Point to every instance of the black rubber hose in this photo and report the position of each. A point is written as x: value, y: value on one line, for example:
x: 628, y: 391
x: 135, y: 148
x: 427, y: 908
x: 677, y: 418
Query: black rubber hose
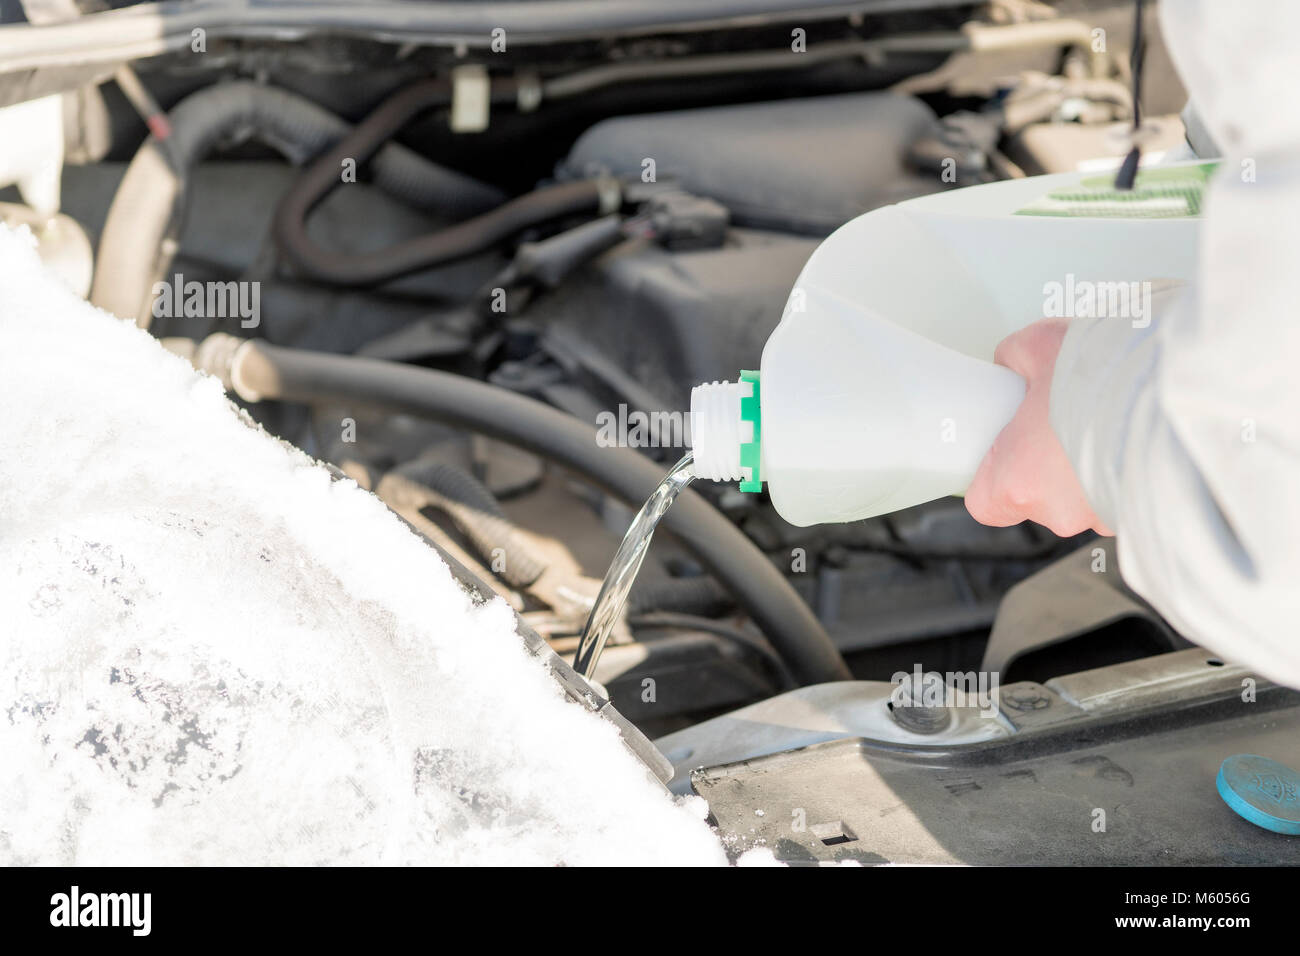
x: 699, y: 596
x: 472, y: 508
x: 145, y: 218
x: 423, y: 252
x: 259, y: 371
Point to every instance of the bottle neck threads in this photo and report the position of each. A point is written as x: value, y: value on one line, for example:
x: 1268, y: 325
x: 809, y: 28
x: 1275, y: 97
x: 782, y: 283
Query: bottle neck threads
x: 718, y: 431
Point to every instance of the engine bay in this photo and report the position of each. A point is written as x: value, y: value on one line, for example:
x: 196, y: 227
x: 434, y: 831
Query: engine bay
x: 591, y: 221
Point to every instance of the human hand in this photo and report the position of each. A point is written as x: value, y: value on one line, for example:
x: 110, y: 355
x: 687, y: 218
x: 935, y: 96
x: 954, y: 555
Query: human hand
x: 1026, y: 474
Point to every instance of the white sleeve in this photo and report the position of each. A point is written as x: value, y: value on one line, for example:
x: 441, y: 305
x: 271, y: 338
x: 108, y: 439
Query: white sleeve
x: 1186, y: 434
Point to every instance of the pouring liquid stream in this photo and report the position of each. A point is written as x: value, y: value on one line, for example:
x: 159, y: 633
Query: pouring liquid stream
x: 627, y: 562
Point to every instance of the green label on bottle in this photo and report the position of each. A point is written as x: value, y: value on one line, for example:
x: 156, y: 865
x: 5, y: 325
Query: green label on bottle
x: 1174, y: 192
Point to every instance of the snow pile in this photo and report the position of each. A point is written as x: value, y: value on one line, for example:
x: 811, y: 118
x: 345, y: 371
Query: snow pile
x: 211, y: 653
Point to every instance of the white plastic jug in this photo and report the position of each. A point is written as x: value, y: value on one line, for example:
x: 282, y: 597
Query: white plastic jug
x: 877, y: 389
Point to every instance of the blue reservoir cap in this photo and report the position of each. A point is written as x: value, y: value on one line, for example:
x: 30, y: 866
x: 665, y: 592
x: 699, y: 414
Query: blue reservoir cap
x: 1263, y: 791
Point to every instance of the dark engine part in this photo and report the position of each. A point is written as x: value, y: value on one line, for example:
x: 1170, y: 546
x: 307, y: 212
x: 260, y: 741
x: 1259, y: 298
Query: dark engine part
x: 149, y: 207
x: 466, y: 238
x: 798, y: 166
x: 667, y: 320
